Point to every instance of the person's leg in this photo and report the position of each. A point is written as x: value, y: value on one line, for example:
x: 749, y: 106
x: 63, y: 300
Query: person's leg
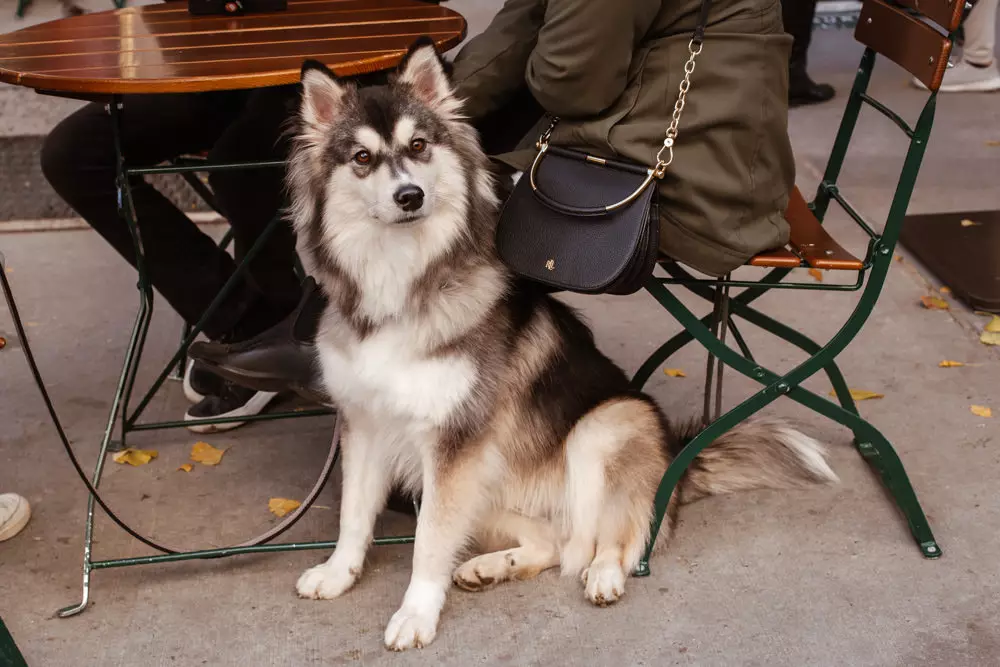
x: 185, y: 265
x: 251, y: 199
x: 798, y: 20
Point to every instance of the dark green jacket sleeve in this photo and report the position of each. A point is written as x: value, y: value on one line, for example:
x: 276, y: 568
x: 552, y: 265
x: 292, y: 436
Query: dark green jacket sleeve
x: 581, y: 59
x: 490, y: 67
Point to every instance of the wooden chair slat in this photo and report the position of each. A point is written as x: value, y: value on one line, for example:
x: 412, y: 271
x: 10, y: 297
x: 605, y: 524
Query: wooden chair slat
x: 910, y: 43
x: 809, y: 240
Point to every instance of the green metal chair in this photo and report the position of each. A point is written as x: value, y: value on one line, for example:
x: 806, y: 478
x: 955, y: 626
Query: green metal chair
x: 920, y: 42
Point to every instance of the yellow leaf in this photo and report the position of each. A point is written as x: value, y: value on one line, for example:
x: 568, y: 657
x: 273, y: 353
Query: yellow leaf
x: 899, y: 258
x: 994, y: 325
x: 934, y: 303
x: 675, y: 372
x: 861, y: 394
x: 969, y: 223
x: 993, y: 144
x: 816, y: 274
x: 950, y: 364
x: 990, y: 338
x: 206, y: 454
x: 945, y: 290
x: 281, y: 506
x: 187, y: 467
x: 135, y: 457
x: 981, y: 411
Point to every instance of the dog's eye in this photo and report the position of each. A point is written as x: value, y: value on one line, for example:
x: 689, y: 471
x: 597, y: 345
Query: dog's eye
x: 362, y: 157
x: 418, y: 145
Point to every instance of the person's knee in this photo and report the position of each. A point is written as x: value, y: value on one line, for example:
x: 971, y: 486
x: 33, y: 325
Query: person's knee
x: 73, y: 152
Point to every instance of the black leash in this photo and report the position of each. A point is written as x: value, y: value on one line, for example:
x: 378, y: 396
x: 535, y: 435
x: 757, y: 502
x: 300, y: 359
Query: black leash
x: 289, y: 521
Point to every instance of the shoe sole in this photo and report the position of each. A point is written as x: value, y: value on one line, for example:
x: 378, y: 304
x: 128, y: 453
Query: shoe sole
x: 17, y: 521
x: 987, y: 86
x: 189, y: 393
x: 252, y: 407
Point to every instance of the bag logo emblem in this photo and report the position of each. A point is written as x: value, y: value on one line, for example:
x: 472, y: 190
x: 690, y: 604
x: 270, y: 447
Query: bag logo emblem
x: 550, y: 265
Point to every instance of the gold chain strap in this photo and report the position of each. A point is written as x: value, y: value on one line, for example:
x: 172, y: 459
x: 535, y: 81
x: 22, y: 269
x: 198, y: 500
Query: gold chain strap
x: 662, y: 161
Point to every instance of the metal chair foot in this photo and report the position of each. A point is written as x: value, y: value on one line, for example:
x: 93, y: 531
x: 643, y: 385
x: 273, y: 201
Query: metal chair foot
x: 642, y: 569
x: 880, y: 455
x: 66, y: 612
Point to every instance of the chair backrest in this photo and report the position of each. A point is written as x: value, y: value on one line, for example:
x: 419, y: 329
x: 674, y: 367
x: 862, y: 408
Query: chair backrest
x: 915, y: 34
x: 918, y: 36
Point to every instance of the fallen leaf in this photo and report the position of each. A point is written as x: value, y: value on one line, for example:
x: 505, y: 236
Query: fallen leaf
x: 279, y: 507
x: 899, y: 258
x: 945, y: 290
x: 860, y: 394
x: 969, y: 223
x: 989, y: 338
x: 993, y: 144
x: 3, y: 342
x: 994, y: 325
x: 135, y: 457
x: 981, y: 411
x: 206, y: 454
x: 675, y: 372
x: 934, y: 303
x: 817, y: 274
x: 187, y: 467
x: 951, y: 364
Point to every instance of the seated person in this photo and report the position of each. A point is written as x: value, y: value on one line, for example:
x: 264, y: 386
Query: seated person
x: 611, y: 71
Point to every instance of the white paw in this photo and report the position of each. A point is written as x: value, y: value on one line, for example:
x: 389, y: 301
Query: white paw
x: 604, y: 583
x: 410, y: 628
x: 325, y: 582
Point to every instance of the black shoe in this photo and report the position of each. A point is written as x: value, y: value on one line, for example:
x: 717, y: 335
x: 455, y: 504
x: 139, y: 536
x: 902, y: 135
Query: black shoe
x: 231, y: 401
x: 277, y: 360
x: 802, y: 90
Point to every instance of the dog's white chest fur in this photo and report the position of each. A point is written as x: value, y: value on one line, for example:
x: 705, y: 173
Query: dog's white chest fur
x: 384, y: 373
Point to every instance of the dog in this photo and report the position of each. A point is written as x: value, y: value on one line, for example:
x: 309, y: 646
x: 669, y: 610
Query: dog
x: 458, y: 381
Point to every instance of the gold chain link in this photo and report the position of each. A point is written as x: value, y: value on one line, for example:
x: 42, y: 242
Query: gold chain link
x: 665, y: 155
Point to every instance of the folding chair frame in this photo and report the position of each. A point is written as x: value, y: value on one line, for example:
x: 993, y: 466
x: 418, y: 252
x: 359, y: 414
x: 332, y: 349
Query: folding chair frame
x: 872, y: 445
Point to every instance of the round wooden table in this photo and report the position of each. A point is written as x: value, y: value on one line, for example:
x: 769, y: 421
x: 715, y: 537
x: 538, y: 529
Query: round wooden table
x: 163, y: 48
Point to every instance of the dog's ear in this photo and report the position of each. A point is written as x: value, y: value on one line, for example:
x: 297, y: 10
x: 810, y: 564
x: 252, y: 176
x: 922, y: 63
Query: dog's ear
x: 424, y: 69
x: 322, y: 95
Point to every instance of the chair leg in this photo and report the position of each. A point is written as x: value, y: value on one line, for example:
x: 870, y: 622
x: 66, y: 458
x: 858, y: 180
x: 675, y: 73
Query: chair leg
x: 875, y: 446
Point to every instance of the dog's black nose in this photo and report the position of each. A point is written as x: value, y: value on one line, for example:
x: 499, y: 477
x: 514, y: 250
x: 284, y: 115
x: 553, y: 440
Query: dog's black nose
x: 409, y: 197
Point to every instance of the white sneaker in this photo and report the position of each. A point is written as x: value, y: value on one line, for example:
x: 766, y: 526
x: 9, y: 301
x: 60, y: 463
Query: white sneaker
x: 967, y: 78
x: 231, y: 401
x: 14, y: 515
x: 190, y: 393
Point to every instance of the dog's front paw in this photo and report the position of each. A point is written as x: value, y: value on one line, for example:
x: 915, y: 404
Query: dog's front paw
x: 325, y: 582
x: 604, y: 583
x: 410, y: 628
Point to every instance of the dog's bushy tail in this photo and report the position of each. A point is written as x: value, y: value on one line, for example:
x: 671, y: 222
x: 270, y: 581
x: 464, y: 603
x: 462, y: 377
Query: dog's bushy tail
x: 764, y: 453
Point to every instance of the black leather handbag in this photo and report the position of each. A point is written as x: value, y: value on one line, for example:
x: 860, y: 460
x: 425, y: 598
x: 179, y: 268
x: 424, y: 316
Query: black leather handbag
x: 588, y: 224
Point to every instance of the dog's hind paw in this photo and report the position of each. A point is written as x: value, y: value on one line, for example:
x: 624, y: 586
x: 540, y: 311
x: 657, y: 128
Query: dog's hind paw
x: 410, y: 628
x: 604, y: 583
x: 325, y: 582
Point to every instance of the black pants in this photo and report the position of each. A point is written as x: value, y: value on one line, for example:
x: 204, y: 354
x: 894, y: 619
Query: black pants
x: 185, y: 265
x: 797, y: 17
